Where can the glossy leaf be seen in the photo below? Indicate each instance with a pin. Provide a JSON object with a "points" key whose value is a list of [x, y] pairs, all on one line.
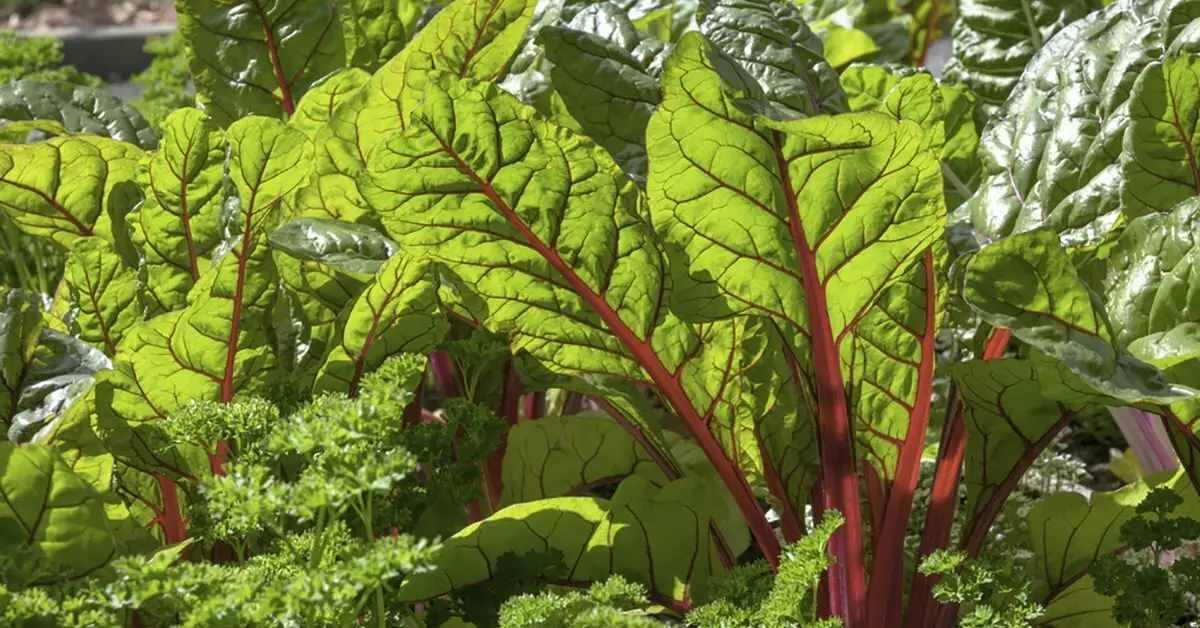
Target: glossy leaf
{"points": [[352, 247], [658, 537], [176, 227], [78, 108], [563, 456], [1052, 156], [471, 38], [51, 516], [605, 76], [1028, 284], [779, 60], [104, 292], [67, 188], [1162, 167], [397, 313], [258, 57], [995, 39], [42, 370]]}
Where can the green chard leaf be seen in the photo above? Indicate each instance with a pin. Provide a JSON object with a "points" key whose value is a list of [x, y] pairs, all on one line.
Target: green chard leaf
{"points": [[1162, 167], [1070, 533], [932, 19], [176, 226], [658, 537], [554, 250], [777, 59], [1013, 410], [78, 108], [471, 38], [1052, 156], [604, 71], [1155, 310], [104, 293], [319, 103], [827, 206], [1027, 283], [994, 40], [397, 313], [945, 112], [68, 188], [344, 245], [377, 31], [562, 456], [50, 517], [42, 370], [251, 57]]}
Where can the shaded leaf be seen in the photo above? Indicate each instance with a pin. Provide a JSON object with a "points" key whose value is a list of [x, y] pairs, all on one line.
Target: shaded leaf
{"points": [[256, 57], [349, 246], [78, 108]]}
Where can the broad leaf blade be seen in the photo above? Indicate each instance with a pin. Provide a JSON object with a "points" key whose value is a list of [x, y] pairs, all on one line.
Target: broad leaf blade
{"points": [[597, 538], [176, 226], [254, 57], [1027, 283], [470, 38], [67, 188], [397, 313], [78, 108], [104, 292], [995, 39], [349, 246], [1162, 167], [319, 103], [50, 517]]}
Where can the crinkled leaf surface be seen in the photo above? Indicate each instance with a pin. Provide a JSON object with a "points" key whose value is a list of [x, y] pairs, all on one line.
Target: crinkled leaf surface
{"points": [[550, 245], [1153, 272], [51, 513], [779, 61], [1053, 155], [568, 455], [397, 313], [604, 71], [42, 370], [259, 57], [176, 227], [470, 38], [1162, 167], [78, 108], [1028, 284], [375, 31], [995, 39], [319, 103], [104, 293], [659, 537], [67, 188], [349, 246]]}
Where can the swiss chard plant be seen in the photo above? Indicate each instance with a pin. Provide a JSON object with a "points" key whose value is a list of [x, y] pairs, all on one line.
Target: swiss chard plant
{"points": [[727, 312]]}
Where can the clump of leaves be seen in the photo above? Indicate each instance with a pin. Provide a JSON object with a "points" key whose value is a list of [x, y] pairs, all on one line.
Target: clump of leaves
{"points": [[165, 84], [747, 596], [1150, 588], [37, 58], [990, 593], [616, 603]]}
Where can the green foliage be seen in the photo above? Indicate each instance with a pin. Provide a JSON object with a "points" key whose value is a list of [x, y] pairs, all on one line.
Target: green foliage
{"points": [[748, 596], [991, 593], [1151, 587], [614, 602], [37, 59]]}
